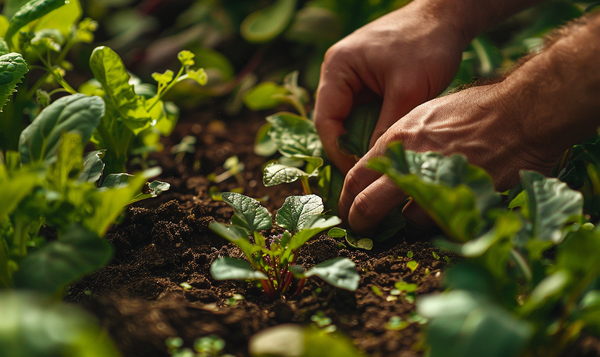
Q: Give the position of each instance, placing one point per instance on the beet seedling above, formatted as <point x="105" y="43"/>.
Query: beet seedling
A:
<point x="271" y="260"/>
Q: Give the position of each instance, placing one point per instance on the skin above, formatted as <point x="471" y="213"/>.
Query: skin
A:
<point x="525" y="121"/>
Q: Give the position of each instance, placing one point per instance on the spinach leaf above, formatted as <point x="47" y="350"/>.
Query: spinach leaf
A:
<point x="39" y="141"/>
<point x="12" y="71"/>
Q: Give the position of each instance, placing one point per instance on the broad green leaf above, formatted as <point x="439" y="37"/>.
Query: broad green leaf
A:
<point x="296" y="210"/>
<point x="551" y="204"/>
<point x="79" y="112"/>
<point x="237" y="236"/>
<point x="92" y="167"/>
<point x="353" y="240"/>
<point x="359" y="128"/>
<point x="12" y="70"/>
<point x="77" y="252"/>
<point x="48" y="40"/>
<point x="311" y="227"/>
<point x="339" y="272"/>
<point x="265" y="24"/>
<point x="62" y="18"/>
<point x="251" y="213"/>
<point x="455" y="194"/>
<point x="230" y="268"/>
<point x="337" y="232"/>
<point x="276" y="174"/>
<point x="463" y="324"/>
<point x="109" y="70"/>
<point x="295" y="135"/>
<point x="31" y="11"/>
<point x="12" y="6"/>
<point x="578" y="253"/>
<point x="34" y="325"/>
<point x="263" y="96"/>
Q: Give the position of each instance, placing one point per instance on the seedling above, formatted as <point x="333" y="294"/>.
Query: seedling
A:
<point x="271" y="260"/>
<point x="412" y="265"/>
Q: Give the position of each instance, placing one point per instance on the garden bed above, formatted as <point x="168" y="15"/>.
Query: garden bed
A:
<point x="164" y="242"/>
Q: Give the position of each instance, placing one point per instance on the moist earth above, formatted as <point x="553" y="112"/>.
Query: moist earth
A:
<point x="163" y="242"/>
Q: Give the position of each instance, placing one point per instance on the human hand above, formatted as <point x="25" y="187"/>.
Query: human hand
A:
<point x="406" y="57"/>
<point x="479" y="122"/>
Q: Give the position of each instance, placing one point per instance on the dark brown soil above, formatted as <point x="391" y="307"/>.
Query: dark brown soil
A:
<point x="164" y="242"/>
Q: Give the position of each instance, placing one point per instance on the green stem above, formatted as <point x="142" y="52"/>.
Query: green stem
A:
<point x="58" y="79"/>
<point x="161" y="93"/>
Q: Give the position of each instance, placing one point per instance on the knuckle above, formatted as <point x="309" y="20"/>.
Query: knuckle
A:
<point x="352" y="183"/>
<point x="363" y="207"/>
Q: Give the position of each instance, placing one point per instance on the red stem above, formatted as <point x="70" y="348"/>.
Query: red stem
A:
<point x="300" y="286"/>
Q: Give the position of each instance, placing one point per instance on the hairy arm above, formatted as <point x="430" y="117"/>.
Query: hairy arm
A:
<point x="526" y="121"/>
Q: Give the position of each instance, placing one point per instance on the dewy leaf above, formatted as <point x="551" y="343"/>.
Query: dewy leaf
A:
<point x="78" y="252"/>
<point x="276" y="174"/>
<point x="465" y="324"/>
<point x="312" y="226"/>
<point x="265" y="24"/>
<point x="295" y="135"/>
<point x="12" y="70"/>
<point x="254" y="216"/>
<point x="109" y="70"/>
<point x="339" y="272"/>
<point x="230" y="268"/>
<point x="455" y="194"/>
<point x="33" y="10"/>
<point x="296" y="210"/>
<point x="359" y="128"/>
<point x="551" y="205"/>
<point x="78" y="112"/>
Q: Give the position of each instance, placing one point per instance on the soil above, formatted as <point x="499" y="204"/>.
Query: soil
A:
<point x="163" y="242"/>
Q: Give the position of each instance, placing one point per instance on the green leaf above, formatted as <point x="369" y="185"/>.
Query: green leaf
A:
<point x="263" y="145"/>
<point x="359" y="128"/>
<point x="69" y="160"/>
<point x="63" y="18"/>
<point x="337" y="232"/>
<point x="39" y="140"/>
<point x="578" y="253"/>
<point x="465" y="324"/>
<point x="295" y="135"/>
<point x="235" y="235"/>
<point x="92" y="167"/>
<point x="311" y="227"/>
<point x="230" y="268"/>
<point x="152" y="189"/>
<point x="252" y="215"/>
<point x="339" y="272"/>
<point x="265" y="24"/>
<point x="264" y="96"/>
<point x="77" y="252"/>
<point x="3" y="46"/>
<point x="110" y="203"/>
<point x="33" y="325"/>
<point x="17" y="186"/>
<point x="276" y="174"/>
<point x="12" y="70"/>
<point x="551" y="205"/>
<point x="489" y="56"/>
<point x="455" y="194"/>
<point x="33" y="10"/>
<point x="109" y="70"/>
<point x="550" y="287"/>
<point x="296" y="210"/>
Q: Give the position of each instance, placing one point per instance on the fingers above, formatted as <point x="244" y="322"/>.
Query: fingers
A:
<point x="334" y="102"/>
<point x="416" y="216"/>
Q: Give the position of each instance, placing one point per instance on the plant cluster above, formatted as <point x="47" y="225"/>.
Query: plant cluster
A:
<point x="271" y="260"/>
<point x="530" y="278"/>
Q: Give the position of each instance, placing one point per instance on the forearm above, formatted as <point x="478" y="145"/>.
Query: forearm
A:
<point x="556" y="93"/>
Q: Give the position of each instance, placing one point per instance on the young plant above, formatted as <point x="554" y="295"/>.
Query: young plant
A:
<point x="271" y="260"/>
